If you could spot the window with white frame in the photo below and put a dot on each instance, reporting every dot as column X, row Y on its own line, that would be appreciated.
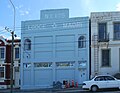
column 43, row 64
column 81, row 42
column 2, row 53
column 27, row 44
column 2, row 72
column 17, row 53
column 65, row 64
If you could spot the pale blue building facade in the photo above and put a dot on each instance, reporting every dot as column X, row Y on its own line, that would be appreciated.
column 54, row 48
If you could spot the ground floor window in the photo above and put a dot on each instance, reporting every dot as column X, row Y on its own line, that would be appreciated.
column 17, row 69
column 26, row 65
column 2, row 72
column 43, row 64
column 82, row 63
column 65, row 64
column 105, row 58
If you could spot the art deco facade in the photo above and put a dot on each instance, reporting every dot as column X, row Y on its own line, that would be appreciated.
column 54, row 48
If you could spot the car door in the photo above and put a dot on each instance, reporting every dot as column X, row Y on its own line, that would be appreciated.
column 100, row 82
column 111, row 82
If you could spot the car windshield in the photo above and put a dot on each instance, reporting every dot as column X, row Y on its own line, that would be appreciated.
column 92, row 78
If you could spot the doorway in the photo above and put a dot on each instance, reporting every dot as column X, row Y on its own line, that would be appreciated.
column 82, row 76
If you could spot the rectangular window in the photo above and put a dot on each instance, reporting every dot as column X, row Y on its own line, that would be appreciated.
column 106, row 58
column 43, row 64
column 16, row 69
column 2, row 53
column 2, row 72
column 82, row 64
column 65, row 64
column 27, row 44
column 116, row 31
column 17, row 53
column 102, row 32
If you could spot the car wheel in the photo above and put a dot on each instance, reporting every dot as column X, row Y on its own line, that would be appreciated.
column 94, row 88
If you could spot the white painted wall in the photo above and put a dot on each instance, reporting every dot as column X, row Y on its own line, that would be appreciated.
column 110, row 18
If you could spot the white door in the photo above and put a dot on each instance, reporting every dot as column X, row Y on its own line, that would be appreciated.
column 82, row 76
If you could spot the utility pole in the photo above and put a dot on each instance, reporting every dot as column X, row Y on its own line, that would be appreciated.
column 12, row 61
column 12, row 51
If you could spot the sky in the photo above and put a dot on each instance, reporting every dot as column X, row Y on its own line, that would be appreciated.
column 30, row 10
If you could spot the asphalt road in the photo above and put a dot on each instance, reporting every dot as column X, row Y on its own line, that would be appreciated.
column 86, row 91
column 62, row 91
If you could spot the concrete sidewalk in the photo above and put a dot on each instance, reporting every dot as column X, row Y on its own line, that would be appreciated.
column 45, row 90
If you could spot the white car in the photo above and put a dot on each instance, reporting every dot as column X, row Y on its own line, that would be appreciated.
column 101, row 82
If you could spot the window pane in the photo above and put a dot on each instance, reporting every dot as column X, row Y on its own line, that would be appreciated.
column 100, row 78
column 102, row 31
column 82, row 64
column 2, row 52
column 109, row 78
column 1, row 72
column 81, row 42
column 65, row 64
column 43, row 64
column 105, row 57
column 117, row 31
column 27, row 65
column 16, row 69
column 27, row 44
column 16, row 52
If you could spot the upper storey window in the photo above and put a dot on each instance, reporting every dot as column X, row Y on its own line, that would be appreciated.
column 116, row 31
column 103, row 35
column 2, row 53
column 27, row 44
column 17, row 53
column 82, row 42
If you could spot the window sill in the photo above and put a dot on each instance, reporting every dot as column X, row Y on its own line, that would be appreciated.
column 2, row 58
column 2, row 79
column 106, row 66
column 17, row 59
column 116, row 39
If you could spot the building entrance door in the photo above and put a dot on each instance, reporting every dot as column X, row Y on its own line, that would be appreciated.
column 82, row 75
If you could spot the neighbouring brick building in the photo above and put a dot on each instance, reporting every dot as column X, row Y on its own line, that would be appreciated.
column 5, row 62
